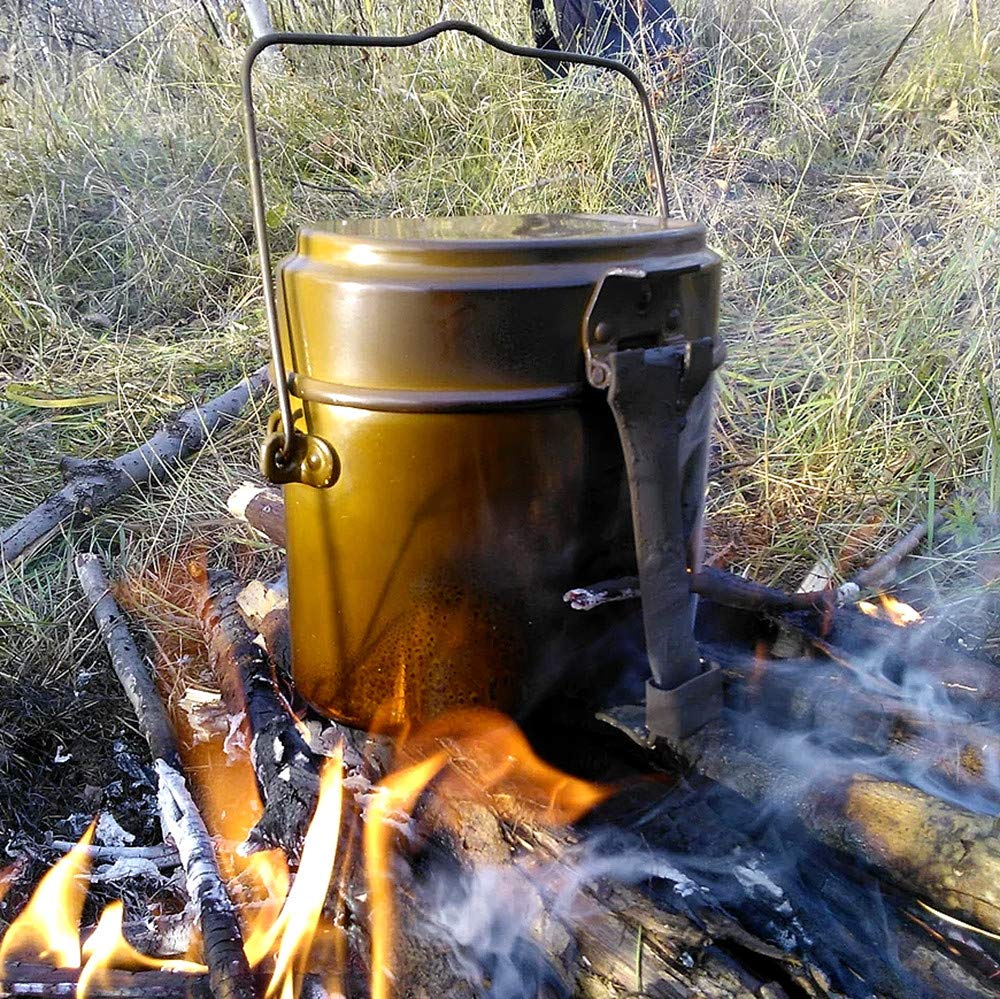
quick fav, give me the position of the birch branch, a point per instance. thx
(93, 484)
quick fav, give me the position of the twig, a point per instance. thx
(92, 485)
(228, 973)
(127, 662)
(162, 855)
(884, 566)
(722, 587)
(898, 49)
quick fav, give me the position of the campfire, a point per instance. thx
(496, 729)
(452, 856)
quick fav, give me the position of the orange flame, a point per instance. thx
(891, 609)
(270, 870)
(300, 914)
(474, 753)
(107, 948)
(48, 927)
(899, 613)
(471, 754)
(396, 793)
(490, 754)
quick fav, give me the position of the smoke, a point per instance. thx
(876, 708)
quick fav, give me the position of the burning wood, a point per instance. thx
(287, 770)
(942, 853)
(43, 982)
(228, 971)
(468, 790)
(913, 737)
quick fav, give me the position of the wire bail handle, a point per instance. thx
(307, 456)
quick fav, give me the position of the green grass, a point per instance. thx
(856, 208)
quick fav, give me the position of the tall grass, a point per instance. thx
(855, 205)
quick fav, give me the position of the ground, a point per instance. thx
(845, 170)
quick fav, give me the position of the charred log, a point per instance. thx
(92, 485)
(850, 636)
(287, 770)
(286, 766)
(20, 979)
(228, 973)
(805, 696)
(936, 850)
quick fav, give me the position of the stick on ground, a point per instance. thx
(228, 972)
(883, 567)
(92, 485)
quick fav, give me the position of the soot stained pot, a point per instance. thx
(450, 459)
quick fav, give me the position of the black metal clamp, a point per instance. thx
(635, 346)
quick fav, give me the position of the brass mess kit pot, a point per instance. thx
(475, 415)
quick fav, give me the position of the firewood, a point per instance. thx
(671, 955)
(20, 979)
(801, 697)
(847, 634)
(128, 662)
(286, 767)
(262, 507)
(287, 770)
(162, 856)
(93, 484)
(228, 973)
(883, 567)
(601, 955)
(722, 587)
(942, 853)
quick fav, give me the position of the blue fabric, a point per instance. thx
(618, 28)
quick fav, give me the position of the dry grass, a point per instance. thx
(856, 207)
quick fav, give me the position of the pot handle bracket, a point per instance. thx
(288, 455)
(635, 348)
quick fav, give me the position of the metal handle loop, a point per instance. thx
(393, 42)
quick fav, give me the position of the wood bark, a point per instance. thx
(128, 662)
(938, 851)
(228, 973)
(286, 768)
(21, 979)
(93, 484)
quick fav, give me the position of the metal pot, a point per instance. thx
(450, 462)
